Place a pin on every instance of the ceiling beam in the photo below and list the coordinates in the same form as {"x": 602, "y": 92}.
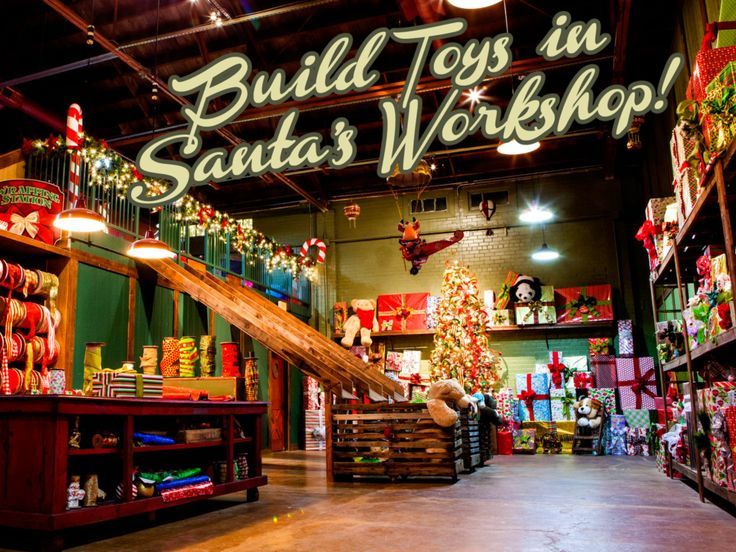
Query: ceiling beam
{"x": 70, "y": 15}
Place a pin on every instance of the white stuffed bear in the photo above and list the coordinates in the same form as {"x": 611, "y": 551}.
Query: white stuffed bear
{"x": 588, "y": 412}
{"x": 363, "y": 320}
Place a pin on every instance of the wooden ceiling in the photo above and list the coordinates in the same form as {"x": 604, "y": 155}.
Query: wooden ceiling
{"x": 51, "y": 67}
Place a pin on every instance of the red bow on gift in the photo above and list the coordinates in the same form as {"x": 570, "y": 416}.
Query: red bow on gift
{"x": 583, "y": 380}
{"x": 640, "y": 384}
{"x": 711, "y": 33}
{"x": 415, "y": 379}
{"x": 528, "y": 397}
{"x": 556, "y": 370}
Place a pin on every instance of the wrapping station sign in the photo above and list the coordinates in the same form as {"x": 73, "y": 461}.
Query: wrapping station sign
{"x": 228, "y": 86}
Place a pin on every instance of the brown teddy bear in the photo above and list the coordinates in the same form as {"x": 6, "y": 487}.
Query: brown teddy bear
{"x": 440, "y": 392}
{"x": 363, "y": 320}
{"x": 588, "y": 412}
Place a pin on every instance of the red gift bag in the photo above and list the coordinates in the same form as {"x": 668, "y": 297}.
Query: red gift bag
{"x": 504, "y": 442}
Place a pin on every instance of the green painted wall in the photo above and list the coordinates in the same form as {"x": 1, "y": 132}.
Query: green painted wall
{"x": 154, "y": 318}
{"x": 101, "y": 315}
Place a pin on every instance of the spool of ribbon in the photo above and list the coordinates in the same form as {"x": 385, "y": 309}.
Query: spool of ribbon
{"x": 170, "y": 357}
{"x": 230, "y": 359}
{"x": 207, "y": 354}
{"x": 149, "y": 360}
{"x": 251, "y": 379}
{"x": 187, "y": 357}
{"x": 92, "y": 364}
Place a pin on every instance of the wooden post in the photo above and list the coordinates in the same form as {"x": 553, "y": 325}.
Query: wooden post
{"x": 66, "y": 302}
{"x": 726, "y": 219}
{"x": 132, "y": 285}
{"x": 328, "y": 432}
{"x": 175, "y": 327}
{"x": 693, "y": 423}
{"x": 655, "y": 314}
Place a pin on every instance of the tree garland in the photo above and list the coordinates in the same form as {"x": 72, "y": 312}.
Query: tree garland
{"x": 108, "y": 169}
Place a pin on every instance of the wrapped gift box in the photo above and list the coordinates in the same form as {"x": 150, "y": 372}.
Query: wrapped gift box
{"x": 636, "y": 382}
{"x": 533, "y": 395}
{"x": 339, "y": 317}
{"x": 604, "y": 371}
{"x": 717, "y": 122}
{"x": 730, "y": 414}
{"x": 719, "y": 272}
{"x": 541, "y": 311}
{"x": 583, "y": 304}
{"x": 576, "y": 363}
{"x": 411, "y": 363}
{"x": 686, "y": 168}
{"x": 360, "y": 351}
{"x": 394, "y": 361}
{"x": 638, "y": 418}
{"x": 504, "y": 296}
{"x": 561, "y": 401}
{"x": 524, "y": 441}
{"x": 402, "y": 311}
{"x": 500, "y": 317}
{"x": 716, "y": 397}
{"x": 557, "y": 369}
{"x": 504, "y": 397}
{"x": 127, "y": 384}
{"x": 708, "y": 63}
{"x": 433, "y": 302}
{"x": 607, "y": 397}
{"x": 656, "y": 213}
{"x": 616, "y": 445}
{"x": 599, "y": 346}
{"x": 637, "y": 442}
{"x": 565, "y": 431}
{"x": 583, "y": 380}
{"x": 670, "y": 340}
{"x": 489, "y": 299}
{"x": 625, "y": 338}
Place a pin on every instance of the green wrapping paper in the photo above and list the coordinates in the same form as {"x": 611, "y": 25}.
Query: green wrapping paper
{"x": 607, "y": 396}
{"x": 638, "y": 419}
{"x": 561, "y": 401}
{"x": 727, "y": 13}
{"x": 719, "y": 108}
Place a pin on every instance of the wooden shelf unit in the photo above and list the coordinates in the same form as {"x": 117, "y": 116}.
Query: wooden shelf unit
{"x": 709, "y": 223}
{"x": 37, "y": 461}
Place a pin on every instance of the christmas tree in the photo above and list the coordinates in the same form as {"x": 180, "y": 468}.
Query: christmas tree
{"x": 461, "y": 348}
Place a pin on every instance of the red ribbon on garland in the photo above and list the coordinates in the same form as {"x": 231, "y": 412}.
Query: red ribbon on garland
{"x": 529, "y": 396}
{"x": 639, "y": 385}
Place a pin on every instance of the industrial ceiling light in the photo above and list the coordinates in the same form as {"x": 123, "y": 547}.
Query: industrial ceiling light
{"x": 513, "y": 147}
{"x": 473, "y": 4}
{"x": 545, "y": 254}
{"x": 150, "y": 248}
{"x": 79, "y": 219}
{"x": 535, "y": 214}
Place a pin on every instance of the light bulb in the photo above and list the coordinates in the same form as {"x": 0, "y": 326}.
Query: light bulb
{"x": 513, "y": 147}
{"x": 473, "y": 4}
{"x": 536, "y": 214}
{"x": 544, "y": 254}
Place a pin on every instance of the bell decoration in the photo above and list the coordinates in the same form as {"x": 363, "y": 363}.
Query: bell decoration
{"x": 352, "y": 212}
{"x": 418, "y": 178}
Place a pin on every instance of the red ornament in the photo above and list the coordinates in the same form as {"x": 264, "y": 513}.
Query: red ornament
{"x": 52, "y": 142}
{"x": 27, "y": 147}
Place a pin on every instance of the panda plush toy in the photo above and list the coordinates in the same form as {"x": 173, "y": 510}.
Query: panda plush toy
{"x": 526, "y": 289}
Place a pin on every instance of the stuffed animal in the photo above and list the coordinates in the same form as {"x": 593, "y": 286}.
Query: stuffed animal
{"x": 409, "y": 230}
{"x": 487, "y": 408}
{"x": 416, "y": 250}
{"x": 526, "y": 289}
{"x": 588, "y": 412}
{"x": 363, "y": 320}
{"x": 440, "y": 392}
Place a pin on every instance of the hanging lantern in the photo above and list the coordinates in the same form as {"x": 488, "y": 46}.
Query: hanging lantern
{"x": 418, "y": 178}
{"x": 634, "y": 140}
{"x": 352, "y": 212}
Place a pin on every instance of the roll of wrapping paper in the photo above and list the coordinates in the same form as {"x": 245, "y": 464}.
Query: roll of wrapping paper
{"x": 207, "y": 355}
{"x": 251, "y": 379}
{"x": 230, "y": 359}
{"x": 92, "y": 364}
{"x": 241, "y": 466}
{"x": 188, "y": 491}
{"x": 182, "y": 482}
{"x": 170, "y": 357}
{"x": 187, "y": 357}
{"x": 57, "y": 382}
{"x": 149, "y": 360}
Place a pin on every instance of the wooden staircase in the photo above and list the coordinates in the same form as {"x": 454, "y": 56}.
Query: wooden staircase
{"x": 279, "y": 331}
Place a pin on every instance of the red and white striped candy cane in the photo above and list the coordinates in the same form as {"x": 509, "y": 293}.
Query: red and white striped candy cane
{"x": 74, "y": 142}
{"x": 319, "y": 244}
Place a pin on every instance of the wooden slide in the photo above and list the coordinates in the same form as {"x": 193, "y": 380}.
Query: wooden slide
{"x": 279, "y": 331}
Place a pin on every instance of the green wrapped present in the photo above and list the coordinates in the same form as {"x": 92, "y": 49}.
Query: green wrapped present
{"x": 524, "y": 441}
{"x": 539, "y": 311}
{"x": 638, "y": 419}
{"x": 719, "y": 109}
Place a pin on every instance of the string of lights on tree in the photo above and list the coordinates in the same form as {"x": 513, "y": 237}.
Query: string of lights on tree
{"x": 108, "y": 169}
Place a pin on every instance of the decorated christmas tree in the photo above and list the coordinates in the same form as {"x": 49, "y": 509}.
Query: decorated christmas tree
{"x": 461, "y": 349}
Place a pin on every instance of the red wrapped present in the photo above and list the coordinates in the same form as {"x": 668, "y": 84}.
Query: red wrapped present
{"x": 29, "y": 207}
{"x": 583, "y": 380}
{"x": 599, "y": 346}
{"x": 504, "y": 442}
{"x": 402, "y": 311}
{"x": 604, "y": 370}
{"x": 708, "y": 63}
{"x": 637, "y": 385}
{"x": 583, "y": 304}
{"x": 557, "y": 370}
{"x": 504, "y": 296}
{"x": 730, "y": 414}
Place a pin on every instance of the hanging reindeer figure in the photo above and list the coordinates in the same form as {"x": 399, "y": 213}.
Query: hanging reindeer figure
{"x": 416, "y": 250}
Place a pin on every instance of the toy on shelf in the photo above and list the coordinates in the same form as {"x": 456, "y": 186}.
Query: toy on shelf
{"x": 363, "y": 321}
{"x": 74, "y": 493}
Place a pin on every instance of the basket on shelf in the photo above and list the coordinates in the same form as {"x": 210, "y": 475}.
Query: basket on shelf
{"x": 199, "y": 435}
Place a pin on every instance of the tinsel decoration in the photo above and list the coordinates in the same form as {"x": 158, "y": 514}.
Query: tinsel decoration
{"x": 461, "y": 349}
{"x": 207, "y": 354}
{"x": 187, "y": 357}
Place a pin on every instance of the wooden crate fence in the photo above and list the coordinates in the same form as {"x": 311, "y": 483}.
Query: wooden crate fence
{"x": 392, "y": 440}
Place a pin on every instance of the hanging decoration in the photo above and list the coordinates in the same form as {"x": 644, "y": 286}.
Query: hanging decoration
{"x": 634, "y": 139}
{"x": 420, "y": 177}
{"x": 108, "y": 169}
{"x": 487, "y": 208}
{"x": 74, "y": 134}
{"x": 352, "y": 212}
{"x": 416, "y": 250}
{"x": 321, "y": 249}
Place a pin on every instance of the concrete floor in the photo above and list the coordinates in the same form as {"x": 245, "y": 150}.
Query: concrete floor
{"x": 561, "y": 503}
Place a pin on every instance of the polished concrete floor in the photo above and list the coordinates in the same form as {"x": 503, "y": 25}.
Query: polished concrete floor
{"x": 519, "y": 503}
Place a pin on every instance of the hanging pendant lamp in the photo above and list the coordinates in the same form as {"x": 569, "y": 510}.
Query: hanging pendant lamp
{"x": 80, "y": 219}
{"x": 150, "y": 248}
{"x": 473, "y": 4}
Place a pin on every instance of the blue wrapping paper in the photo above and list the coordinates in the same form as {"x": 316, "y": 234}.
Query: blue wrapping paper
{"x": 616, "y": 436}
{"x": 540, "y": 407}
{"x": 182, "y": 482}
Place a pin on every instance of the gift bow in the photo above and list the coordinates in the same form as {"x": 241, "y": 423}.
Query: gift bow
{"x": 646, "y": 234}
{"x": 640, "y": 383}
{"x": 585, "y": 305}
{"x": 557, "y": 370}
{"x": 27, "y": 224}
{"x": 535, "y": 309}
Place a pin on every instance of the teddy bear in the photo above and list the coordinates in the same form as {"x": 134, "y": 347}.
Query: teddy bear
{"x": 526, "y": 289}
{"x": 363, "y": 320}
{"x": 442, "y": 391}
{"x": 588, "y": 412}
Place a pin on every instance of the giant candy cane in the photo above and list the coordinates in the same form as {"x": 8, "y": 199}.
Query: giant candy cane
{"x": 73, "y": 143}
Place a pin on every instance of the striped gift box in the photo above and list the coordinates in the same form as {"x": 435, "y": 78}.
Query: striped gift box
{"x": 131, "y": 386}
